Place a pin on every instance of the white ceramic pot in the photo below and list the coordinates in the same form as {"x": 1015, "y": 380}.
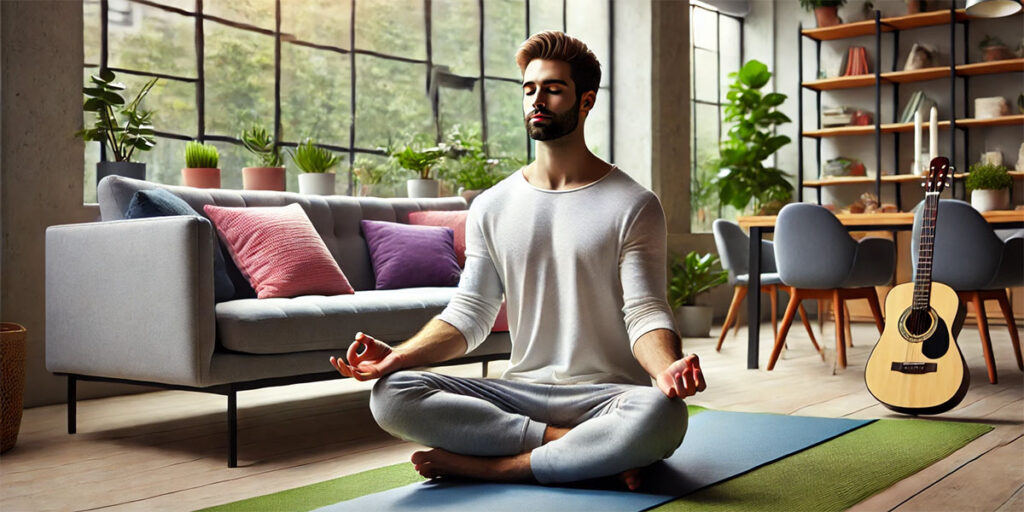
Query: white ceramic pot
{"x": 694, "y": 321}
{"x": 423, "y": 188}
{"x": 317, "y": 183}
{"x": 985, "y": 200}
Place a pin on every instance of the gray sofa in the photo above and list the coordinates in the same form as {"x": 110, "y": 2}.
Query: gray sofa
{"x": 133, "y": 301}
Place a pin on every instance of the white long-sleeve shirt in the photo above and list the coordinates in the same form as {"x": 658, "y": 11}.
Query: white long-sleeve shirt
{"x": 583, "y": 272}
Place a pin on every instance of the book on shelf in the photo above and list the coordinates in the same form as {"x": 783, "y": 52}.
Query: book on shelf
{"x": 855, "y": 62}
{"x": 919, "y": 102}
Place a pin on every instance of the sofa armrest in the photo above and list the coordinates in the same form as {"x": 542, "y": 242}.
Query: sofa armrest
{"x": 131, "y": 299}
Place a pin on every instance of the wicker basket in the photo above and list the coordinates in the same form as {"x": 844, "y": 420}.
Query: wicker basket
{"x": 12, "y": 382}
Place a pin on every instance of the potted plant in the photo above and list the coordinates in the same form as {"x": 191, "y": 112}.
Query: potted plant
{"x": 201, "y": 169}
{"x": 992, "y": 48}
{"x": 689, "y": 277}
{"x": 270, "y": 173}
{"x": 469, "y": 166}
{"x": 367, "y": 174}
{"x": 421, "y": 162}
{"x": 826, "y": 12}
{"x": 316, "y": 163}
{"x": 123, "y": 132}
{"x": 742, "y": 175}
{"x": 990, "y": 187}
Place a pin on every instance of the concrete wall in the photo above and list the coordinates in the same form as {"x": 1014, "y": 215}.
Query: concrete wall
{"x": 40, "y": 167}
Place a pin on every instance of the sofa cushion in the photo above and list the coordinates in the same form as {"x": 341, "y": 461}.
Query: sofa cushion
{"x": 318, "y": 322}
{"x": 407, "y": 256}
{"x": 279, "y": 251}
{"x": 456, "y": 220}
{"x": 162, "y": 203}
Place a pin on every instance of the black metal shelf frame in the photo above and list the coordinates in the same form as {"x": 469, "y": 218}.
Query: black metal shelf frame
{"x": 878, "y": 103}
{"x": 351, "y": 149}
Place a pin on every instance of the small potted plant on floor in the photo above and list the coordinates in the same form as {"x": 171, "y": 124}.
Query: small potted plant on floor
{"x": 123, "y": 132}
{"x": 689, "y": 277}
{"x": 201, "y": 169}
{"x": 990, "y": 187}
{"x": 422, "y": 162}
{"x": 316, "y": 163}
{"x": 269, "y": 175}
{"x": 826, "y": 12}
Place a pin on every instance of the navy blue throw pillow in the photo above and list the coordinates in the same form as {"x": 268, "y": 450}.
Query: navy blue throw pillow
{"x": 158, "y": 202}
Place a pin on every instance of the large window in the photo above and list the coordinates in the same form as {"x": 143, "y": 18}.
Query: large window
{"x": 716, "y": 49}
{"x": 355, "y": 75}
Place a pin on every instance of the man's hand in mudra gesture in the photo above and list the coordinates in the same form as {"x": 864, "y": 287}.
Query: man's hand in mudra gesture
{"x": 682, "y": 378}
{"x": 368, "y": 359}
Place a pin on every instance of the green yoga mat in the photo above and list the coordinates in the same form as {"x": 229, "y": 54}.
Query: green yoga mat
{"x": 831, "y": 476}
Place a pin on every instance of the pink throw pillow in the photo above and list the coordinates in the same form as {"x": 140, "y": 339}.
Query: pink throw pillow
{"x": 279, "y": 251}
{"x": 501, "y": 323}
{"x": 454, "y": 219}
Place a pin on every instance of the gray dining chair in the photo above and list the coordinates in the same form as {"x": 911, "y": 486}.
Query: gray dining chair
{"x": 818, "y": 259}
{"x": 734, "y": 249}
{"x": 978, "y": 264}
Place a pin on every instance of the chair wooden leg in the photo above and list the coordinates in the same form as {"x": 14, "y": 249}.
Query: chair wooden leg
{"x": 787, "y": 320}
{"x": 846, "y": 324}
{"x": 986, "y": 343}
{"x": 1004, "y": 305}
{"x": 810, "y": 332}
{"x": 773, "y": 297}
{"x": 737, "y": 298}
{"x": 876, "y": 311}
{"x": 822, "y": 308}
{"x": 837, "y": 310}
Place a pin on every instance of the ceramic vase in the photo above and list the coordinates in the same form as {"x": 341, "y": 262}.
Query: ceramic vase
{"x": 420, "y": 188}
{"x": 986, "y": 200}
{"x": 694, "y": 321}
{"x": 200, "y": 177}
{"x": 263, "y": 178}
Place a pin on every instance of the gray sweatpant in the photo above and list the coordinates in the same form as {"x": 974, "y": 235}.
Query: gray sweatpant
{"x": 615, "y": 427}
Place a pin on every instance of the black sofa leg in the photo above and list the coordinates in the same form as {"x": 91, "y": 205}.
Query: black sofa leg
{"x": 232, "y": 429}
{"x": 72, "y": 404}
{"x": 485, "y": 369}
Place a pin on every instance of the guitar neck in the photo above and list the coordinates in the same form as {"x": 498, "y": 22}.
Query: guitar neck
{"x": 923, "y": 276}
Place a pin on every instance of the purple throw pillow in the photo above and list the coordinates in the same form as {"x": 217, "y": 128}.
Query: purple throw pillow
{"x": 407, "y": 256}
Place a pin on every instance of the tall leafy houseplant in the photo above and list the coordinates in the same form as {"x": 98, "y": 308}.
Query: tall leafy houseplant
{"x": 742, "y": 175}
{"x": 268, "y": 173}
{"x": 315, "y": 163}
{"x": 122, "y": 128}
{"x": 689, "y": 277}
{"x": 201, "y": 169}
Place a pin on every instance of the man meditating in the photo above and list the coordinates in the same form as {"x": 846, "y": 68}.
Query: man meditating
{"x": 578, "y": 249}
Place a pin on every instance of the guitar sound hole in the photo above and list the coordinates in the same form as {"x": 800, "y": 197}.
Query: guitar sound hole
{"x": 918, "y": 322}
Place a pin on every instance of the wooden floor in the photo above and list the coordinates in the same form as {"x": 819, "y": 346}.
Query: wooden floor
{"x": 166, "y": 450}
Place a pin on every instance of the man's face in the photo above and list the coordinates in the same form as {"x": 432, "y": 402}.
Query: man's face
{"x": 550, "y": 104}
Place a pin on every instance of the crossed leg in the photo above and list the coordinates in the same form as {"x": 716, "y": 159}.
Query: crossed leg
{"x": 504, "y": 431}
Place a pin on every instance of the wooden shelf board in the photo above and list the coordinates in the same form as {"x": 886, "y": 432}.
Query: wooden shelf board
{"x": 867, "y": 27}
{"x": 988, "y": 68}
{"x": 861, "y": 180}
{"x": 1017, "y": 119}
{"x": 870, "y": 129}
{"x": 1016, "y": 175}
{"x": 841, "y": 82}
{"x": 916, "y": 75}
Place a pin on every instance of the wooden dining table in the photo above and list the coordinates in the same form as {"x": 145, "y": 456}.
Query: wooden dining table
{"x": 901, "y": 221}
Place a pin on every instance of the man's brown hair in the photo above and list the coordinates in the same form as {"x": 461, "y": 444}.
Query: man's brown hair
{"x": 584, "y": 68}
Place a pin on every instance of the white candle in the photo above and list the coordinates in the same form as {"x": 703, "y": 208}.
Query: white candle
{"x": 933, "y": 135}
{"x": 917, "y": 143}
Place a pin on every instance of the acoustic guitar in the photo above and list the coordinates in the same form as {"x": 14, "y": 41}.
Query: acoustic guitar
{"x": 916, "y": 367}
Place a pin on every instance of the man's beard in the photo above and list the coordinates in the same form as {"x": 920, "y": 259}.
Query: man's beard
{"x": 557, "y": 125}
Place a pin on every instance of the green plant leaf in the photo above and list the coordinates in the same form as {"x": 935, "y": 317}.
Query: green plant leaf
{"x": 774, "y": 99}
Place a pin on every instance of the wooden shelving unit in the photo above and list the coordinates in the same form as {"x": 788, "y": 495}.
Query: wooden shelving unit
{"x": 893, "y": 26}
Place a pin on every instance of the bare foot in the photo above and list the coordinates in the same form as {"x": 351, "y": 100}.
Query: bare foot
{"x": 630, "y": 477}
{"x": 438, "y": 463}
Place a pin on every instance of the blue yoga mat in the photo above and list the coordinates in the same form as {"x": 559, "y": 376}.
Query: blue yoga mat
{"x": 718, "y": 445}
